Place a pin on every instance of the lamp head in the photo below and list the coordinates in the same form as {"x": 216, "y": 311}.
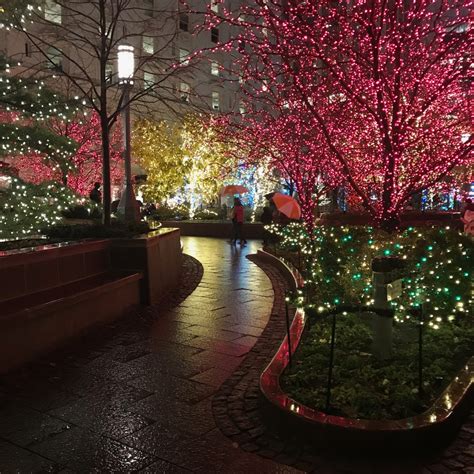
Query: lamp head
{"x": 126, "y": 64}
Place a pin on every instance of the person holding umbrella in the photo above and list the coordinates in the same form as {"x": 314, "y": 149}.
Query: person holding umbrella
{"x": 237, "y": 214}
{"x": 285, "y": 208}
{"x": 238, "y": 222}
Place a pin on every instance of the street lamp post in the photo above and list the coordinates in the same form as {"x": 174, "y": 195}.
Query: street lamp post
{"x": 128, "y": 207}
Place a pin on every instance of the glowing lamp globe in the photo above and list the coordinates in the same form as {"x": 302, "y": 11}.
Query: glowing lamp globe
{"x": 126, "y": 64}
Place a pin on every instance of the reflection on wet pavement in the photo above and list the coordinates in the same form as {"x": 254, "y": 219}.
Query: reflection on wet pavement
{"x": 140, "y": 399}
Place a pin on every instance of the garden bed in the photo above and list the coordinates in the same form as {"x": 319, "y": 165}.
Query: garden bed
{"x": 433, "y": 427}
{"x": 337, "y": 270}
{"x": 364, "y": 387}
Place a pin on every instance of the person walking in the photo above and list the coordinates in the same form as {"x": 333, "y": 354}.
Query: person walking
{"x": 95, "y": 194}
{"x": 467, "y": 217}
{"x": 238, "y": 222}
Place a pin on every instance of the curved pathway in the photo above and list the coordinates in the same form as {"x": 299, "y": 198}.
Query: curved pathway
{"x": 136, "y": 395}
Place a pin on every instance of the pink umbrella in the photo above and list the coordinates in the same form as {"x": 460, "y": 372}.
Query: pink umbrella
{"x": 287, "y": 205}
{"x": 232, "y": 189}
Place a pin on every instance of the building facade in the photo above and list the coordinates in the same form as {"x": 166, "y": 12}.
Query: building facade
{"x": 73, "y": 47}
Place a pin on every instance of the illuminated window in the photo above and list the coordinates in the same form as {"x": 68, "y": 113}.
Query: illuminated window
{"x": 109, "y": 72}
{"x": 214, "y": 68}
{"x": 55, "y": 58}
{"x": 148, "y": 45}
{"x": 184, "y": 91}
{"x": 215, "y": 6}
{"x": 52, "y": 11}
{"x": 148, "y": 79}
{"x": 183, "y": 56}
{"x": 215, "y": 101}
{"x": 242, "y": 108}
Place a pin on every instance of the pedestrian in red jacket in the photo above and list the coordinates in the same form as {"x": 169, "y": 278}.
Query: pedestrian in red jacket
{"x": 238, "y": 222}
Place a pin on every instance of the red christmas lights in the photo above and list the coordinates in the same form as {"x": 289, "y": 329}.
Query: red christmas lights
{"x": 82, "y": 169}
{"x": 382, "y": 89}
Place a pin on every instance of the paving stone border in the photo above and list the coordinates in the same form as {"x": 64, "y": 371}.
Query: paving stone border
{"x": 240, "y": 413}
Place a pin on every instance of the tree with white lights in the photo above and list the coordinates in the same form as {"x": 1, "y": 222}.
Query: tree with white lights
{"x": 74, "y": 45}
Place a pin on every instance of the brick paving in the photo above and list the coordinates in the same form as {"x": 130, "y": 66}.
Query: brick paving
{"x": 174, "y": 388}
{"x": 136, "y": 395}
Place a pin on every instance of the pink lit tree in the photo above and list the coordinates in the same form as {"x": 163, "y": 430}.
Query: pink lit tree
{"x": 87, "y": 161}
{"x": 82, "y": 168}
{"x": 285, "y": 142}
{"x": 383, "y": 86}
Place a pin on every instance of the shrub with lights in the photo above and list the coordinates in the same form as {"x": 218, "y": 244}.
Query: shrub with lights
{"x": 51, "y": 150}
{"x": 437, "y": 285}
{"x": 27, "y": 208}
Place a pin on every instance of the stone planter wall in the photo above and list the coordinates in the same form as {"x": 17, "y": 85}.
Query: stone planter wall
{"x": 157, "y": 256}
{"x": 51, "y": 293}
{"x": 220, "y": 229}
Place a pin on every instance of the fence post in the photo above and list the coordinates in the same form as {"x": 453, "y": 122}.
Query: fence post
{"x": 420, "y": 352}
{"x": 331, "y": 361}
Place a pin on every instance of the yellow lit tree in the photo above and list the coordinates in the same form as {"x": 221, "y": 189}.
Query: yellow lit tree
{"x": 186, "y": 159}
{"x": 207, "y": 158}
{"x": 156, "y": 145}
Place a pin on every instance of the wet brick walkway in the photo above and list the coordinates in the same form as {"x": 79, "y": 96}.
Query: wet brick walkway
{"x": 137, "y": 395}
{"x": 174, "y": 388}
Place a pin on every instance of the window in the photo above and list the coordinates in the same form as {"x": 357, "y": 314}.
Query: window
{"x": 148, "y": 45}
{"x": 52, "y": 11}
{"x": 215, "y": 101}
{"x": 109, "y": 72}
{"x": 183, "y": 56}
{"x": 215, "y": 35}
{"x": 149, "y": 7}
{"x": 184, "y": 91}
{"x": 215, "y": 6}
{"x": 184, "y": 21}
{"x": 27, "y": 50}
{"x": 148, "y": 79}
{"x": 242, "y": 108}
{"x": 55, "y": 58}
{"x": 214, "y": 68}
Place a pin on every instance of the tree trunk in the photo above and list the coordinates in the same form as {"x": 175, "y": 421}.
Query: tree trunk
{"x": 388, "y": 221}
{"x": 104, "y": 119}
{"x": 106, "y": 195}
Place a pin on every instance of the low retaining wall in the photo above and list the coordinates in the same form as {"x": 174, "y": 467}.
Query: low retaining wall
{"x": 434, "y": 427}
{"x": 413, "y": 218}
{"x": 51, "y": 293}
{"x": 29, "y": 270}
{"x": 221, "y": 229}
{"x": 32, "y": 331}
{"x": 157, "y": 255}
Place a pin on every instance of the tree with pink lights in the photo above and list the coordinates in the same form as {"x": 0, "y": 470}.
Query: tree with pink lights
{"x": 285, "y": 142}
{"x": 382, "y": 86}
{"x": 87, "y": 161}
{"x": 83, "y": 167}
